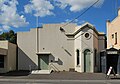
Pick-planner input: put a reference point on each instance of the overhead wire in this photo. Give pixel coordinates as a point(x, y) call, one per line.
point(116, 6)
point(80, 14)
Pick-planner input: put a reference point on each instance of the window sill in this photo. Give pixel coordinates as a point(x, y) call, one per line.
point(78, 66)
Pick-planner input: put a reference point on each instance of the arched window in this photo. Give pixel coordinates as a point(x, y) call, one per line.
point(78, 57)
point(95, 57)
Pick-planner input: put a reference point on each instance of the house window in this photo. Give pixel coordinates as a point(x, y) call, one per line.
point(1, 61)
point(112, 36)
point(116, 38)
point(78, 60)
point(95, 58)
point(87, 35)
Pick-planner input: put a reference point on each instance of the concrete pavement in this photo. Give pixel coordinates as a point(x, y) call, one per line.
point(58, 76)
point(33, 81)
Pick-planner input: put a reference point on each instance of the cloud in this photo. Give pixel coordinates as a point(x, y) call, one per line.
point(68, 20)
point(77, 5)
point(39, 8)
point(5, 27)
point(81, 22)
point(78, 22)
point(9, 16)
point(1, 30)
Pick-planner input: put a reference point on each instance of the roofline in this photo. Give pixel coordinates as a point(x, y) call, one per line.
point(82, 26)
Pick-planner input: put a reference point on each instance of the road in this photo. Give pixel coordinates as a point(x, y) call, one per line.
point(24, 81)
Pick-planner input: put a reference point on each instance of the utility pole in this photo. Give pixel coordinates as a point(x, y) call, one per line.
point(37, 34)
point(37, 21)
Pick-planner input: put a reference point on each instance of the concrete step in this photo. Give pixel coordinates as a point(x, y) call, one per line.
point(41, 72)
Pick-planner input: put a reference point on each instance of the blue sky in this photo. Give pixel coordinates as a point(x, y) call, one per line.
point(20, 15)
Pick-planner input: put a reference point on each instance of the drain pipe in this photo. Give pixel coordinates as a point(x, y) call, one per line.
point(37, 40)
point(37, 44)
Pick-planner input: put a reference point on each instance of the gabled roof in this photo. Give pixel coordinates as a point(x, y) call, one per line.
point(81, 27)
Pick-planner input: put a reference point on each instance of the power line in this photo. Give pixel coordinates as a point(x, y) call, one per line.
point(81, 14)
point(116, 6)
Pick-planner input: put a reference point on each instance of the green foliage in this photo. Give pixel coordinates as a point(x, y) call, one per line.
point(10, 36)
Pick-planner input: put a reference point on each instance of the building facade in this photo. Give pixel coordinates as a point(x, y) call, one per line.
point(113, 32)
point(7, 56)
point(111, 56)
point(53, 47)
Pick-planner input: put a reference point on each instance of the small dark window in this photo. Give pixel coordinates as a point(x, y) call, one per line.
point(1, 61)
point(95, 54)
point(112, 36)
point(87, 35)
point(78, 60)
point(116, 38)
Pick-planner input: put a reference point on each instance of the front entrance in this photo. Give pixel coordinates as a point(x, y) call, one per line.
point(112, 60)
point(43, 62)
point(87, 60)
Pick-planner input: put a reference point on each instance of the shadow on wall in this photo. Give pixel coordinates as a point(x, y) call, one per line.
point(60, 62)
point(54, 60)
point(24, 62)
point(67, 51)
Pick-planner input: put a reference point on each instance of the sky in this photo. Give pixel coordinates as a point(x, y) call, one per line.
point(21, 15)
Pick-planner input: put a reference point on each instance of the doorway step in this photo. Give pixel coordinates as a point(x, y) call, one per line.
point(41, 72)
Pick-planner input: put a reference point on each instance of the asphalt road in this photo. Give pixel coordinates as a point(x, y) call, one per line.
point(23, 81)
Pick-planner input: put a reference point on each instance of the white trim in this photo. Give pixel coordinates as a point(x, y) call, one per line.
point(88, 49)
point(43, 53)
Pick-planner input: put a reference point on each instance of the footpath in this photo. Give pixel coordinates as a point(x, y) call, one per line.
point(57, 76)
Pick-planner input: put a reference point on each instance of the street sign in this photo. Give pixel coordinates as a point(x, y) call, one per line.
point(112, 52)
point(109, 72)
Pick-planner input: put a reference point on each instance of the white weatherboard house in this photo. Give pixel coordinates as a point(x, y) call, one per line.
point(53, 47)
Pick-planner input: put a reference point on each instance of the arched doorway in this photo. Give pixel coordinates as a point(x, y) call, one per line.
point(87, 60)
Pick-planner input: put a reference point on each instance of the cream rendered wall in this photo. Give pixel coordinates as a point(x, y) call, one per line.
point(51, 39)
point(112, 28)
point(3, 51)
point(4, 45)
point(11, 57)
point(69, 28)
point(54, 41)
point(78, 46)
point(87, 44)
point(27, 57)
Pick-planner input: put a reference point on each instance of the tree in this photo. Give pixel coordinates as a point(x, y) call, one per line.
point(11, 36)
